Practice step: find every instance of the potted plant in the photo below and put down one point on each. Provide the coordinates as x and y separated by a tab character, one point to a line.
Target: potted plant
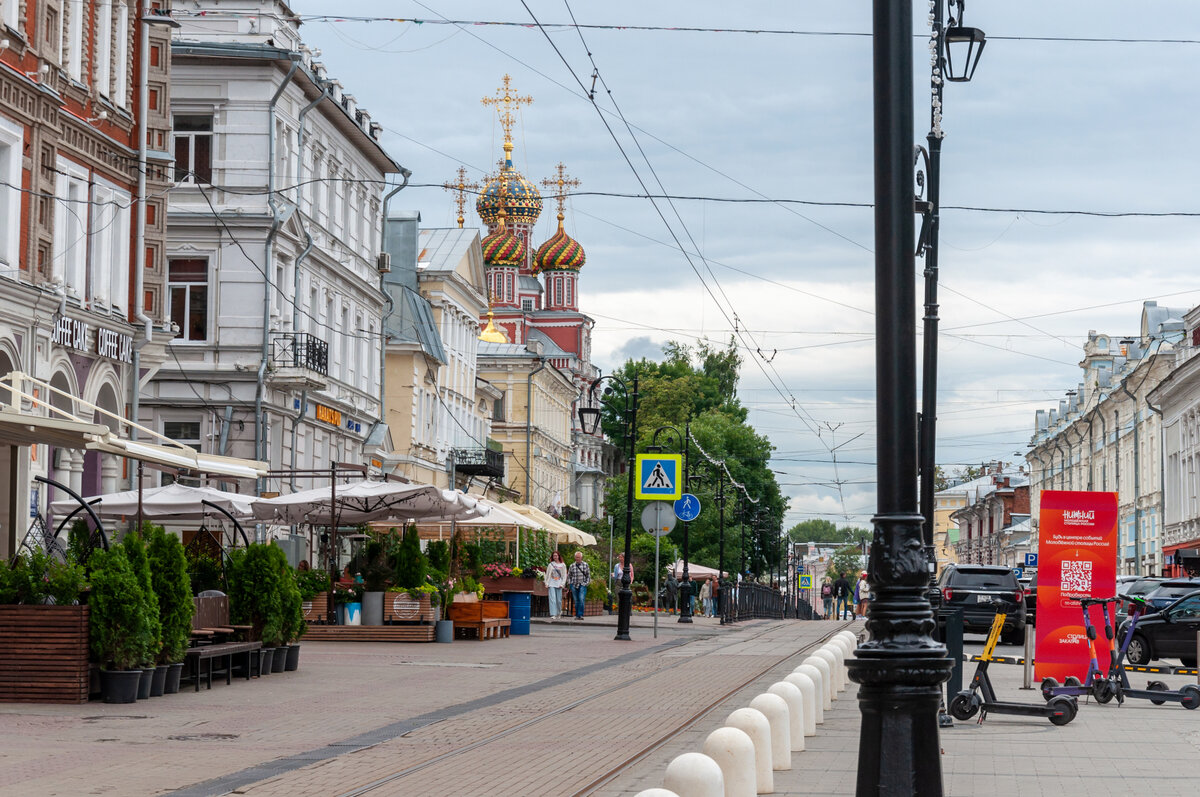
348	599
254	596
294	625
120	628
171	584
377	574
408	563
444	596
314	593
134	545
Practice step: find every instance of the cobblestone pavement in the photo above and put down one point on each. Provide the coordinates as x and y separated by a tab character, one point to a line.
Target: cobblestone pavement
1138	748
516	716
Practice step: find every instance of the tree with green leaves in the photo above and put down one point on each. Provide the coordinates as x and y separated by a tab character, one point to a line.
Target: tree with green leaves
846	561
408	562
171	585
134	545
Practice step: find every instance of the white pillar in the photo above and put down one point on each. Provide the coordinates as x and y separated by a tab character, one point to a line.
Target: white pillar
795	700
849	636
110	471
758	728
826	680
694	775
733	750
775	709
812	704
656	793
835	666
74	470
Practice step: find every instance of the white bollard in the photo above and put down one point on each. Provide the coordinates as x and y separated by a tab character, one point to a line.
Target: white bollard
849	636
818	681
656	793
733	751
808	689
847	650
795	700
695	775
758	728
775	709
826	680
835	669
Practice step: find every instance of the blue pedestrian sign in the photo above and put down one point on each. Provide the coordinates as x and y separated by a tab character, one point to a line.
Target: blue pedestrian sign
657	477
687	508
805	581
1031	560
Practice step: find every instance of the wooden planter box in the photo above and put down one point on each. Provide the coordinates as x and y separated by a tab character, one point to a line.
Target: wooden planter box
401	607
590	608
494	586
43	654
316	611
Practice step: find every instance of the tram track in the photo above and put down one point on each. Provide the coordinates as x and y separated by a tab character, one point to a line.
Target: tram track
387	784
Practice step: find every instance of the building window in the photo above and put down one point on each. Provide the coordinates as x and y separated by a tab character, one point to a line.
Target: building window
187	286
11	137
71	227
498	409
527	305
193	149
109	246
558	291
72	48
187	433
9	10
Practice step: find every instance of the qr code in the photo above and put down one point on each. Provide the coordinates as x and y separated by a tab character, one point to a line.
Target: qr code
1077	577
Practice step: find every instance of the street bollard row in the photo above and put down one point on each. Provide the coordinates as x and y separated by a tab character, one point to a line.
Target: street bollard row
740	759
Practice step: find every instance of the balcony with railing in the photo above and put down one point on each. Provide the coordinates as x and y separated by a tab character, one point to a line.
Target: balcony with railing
299	357
479	462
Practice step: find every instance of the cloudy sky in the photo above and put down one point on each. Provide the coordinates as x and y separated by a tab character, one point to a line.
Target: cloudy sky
1061	116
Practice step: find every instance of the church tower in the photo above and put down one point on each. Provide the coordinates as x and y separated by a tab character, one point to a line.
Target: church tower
559	259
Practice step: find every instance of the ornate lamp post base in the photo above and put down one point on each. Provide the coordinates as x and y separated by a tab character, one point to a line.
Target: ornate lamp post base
625	610
685	594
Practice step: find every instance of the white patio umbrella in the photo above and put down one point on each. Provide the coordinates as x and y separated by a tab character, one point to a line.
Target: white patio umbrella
365	501
174	501
694	570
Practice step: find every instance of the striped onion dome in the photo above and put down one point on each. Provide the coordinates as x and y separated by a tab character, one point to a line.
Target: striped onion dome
502	248
511	192
561	252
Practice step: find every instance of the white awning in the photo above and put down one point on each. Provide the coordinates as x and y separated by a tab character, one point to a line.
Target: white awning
181	457
23	429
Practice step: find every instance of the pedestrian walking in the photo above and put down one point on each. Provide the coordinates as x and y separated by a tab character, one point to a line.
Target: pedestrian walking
578	576
842	596
672	589
555	578
714	605
861	591
827	598
706	597
619	570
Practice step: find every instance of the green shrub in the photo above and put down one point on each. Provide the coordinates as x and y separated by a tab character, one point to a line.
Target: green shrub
204	572
438	554
79	542
255	591
377	573
311	583
172	587
293	625
597	590
408	561
119	626
135	551
14	579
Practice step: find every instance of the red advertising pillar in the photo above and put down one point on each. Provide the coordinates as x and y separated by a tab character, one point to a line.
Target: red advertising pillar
1077	558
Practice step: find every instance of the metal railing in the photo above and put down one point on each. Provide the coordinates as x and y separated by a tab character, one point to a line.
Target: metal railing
479	462
300	350
748	601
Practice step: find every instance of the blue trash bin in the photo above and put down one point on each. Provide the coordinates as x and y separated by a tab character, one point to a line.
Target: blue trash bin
518	611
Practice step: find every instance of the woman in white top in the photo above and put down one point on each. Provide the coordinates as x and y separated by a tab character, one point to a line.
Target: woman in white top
706	598
555	577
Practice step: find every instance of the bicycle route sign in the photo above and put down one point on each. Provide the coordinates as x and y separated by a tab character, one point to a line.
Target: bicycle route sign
687	508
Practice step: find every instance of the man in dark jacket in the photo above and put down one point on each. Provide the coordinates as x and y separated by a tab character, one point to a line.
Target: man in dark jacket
842	597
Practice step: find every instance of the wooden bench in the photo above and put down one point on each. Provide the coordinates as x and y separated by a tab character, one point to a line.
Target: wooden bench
316	611
213	640
483	619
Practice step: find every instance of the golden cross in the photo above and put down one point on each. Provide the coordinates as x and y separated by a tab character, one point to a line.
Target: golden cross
460	190
510	101
560	182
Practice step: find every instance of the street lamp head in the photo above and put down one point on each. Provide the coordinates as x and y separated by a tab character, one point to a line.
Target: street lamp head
589	419
963	48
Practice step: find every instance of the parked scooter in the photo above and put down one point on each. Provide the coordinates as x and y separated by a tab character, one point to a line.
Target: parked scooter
981	696
1096	683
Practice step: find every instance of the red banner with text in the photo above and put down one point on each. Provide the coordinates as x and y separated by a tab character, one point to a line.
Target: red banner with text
1077	558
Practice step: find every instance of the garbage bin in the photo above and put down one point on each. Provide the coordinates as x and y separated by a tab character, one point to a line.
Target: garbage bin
518	611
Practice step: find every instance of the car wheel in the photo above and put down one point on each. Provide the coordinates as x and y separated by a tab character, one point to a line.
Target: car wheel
1157	686
1139	651
1063	710
1191	696
964	705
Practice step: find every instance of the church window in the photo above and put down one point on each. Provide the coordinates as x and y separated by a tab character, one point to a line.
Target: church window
558	291
570	291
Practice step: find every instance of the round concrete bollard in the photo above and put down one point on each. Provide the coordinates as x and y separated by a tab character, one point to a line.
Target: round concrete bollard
836	668
846	646
795	700
826	680
695	775
733	751
758	728
775	709
808	689
849	636
814	675
656	793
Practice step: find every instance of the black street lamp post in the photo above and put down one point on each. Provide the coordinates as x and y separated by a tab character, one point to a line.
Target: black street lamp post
685	586
900	667
589	422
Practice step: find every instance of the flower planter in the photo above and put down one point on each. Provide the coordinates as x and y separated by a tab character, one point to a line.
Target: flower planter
44	654
174	672
158	681
316	611
120	686
372	608
353	613
403	607
495	586
293	658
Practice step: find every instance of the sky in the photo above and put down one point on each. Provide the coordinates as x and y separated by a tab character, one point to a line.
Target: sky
1051	122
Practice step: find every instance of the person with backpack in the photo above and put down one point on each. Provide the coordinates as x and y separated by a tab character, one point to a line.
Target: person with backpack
827	599
843	597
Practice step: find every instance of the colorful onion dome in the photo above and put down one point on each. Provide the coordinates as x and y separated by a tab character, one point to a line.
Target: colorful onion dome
561	252
510	191
502	248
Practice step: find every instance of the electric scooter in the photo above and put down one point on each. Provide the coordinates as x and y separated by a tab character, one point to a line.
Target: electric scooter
1156	691
982	696
1095	683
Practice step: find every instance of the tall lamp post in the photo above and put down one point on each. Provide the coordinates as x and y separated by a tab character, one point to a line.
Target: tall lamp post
685	587
901	667
589	422
954	55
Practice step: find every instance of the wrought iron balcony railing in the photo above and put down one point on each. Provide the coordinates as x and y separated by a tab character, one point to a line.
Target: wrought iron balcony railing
301	350
479	462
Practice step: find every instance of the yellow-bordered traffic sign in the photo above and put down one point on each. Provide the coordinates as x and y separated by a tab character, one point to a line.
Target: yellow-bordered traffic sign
657	477
805	582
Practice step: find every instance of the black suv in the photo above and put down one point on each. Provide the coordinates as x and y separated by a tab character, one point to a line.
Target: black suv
979	591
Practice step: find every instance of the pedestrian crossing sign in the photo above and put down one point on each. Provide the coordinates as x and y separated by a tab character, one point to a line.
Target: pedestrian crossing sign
805	581
658	477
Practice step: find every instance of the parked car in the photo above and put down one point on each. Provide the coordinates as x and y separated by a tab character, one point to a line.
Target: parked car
1029	587
1168	633
1169	591
1134	586
979	591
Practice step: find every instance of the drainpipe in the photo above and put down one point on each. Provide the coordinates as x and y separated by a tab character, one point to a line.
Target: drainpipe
387	297
1061	458
260	426
1137	458
139	254
1117	470
1162	471
529	429
295	426
1103	446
